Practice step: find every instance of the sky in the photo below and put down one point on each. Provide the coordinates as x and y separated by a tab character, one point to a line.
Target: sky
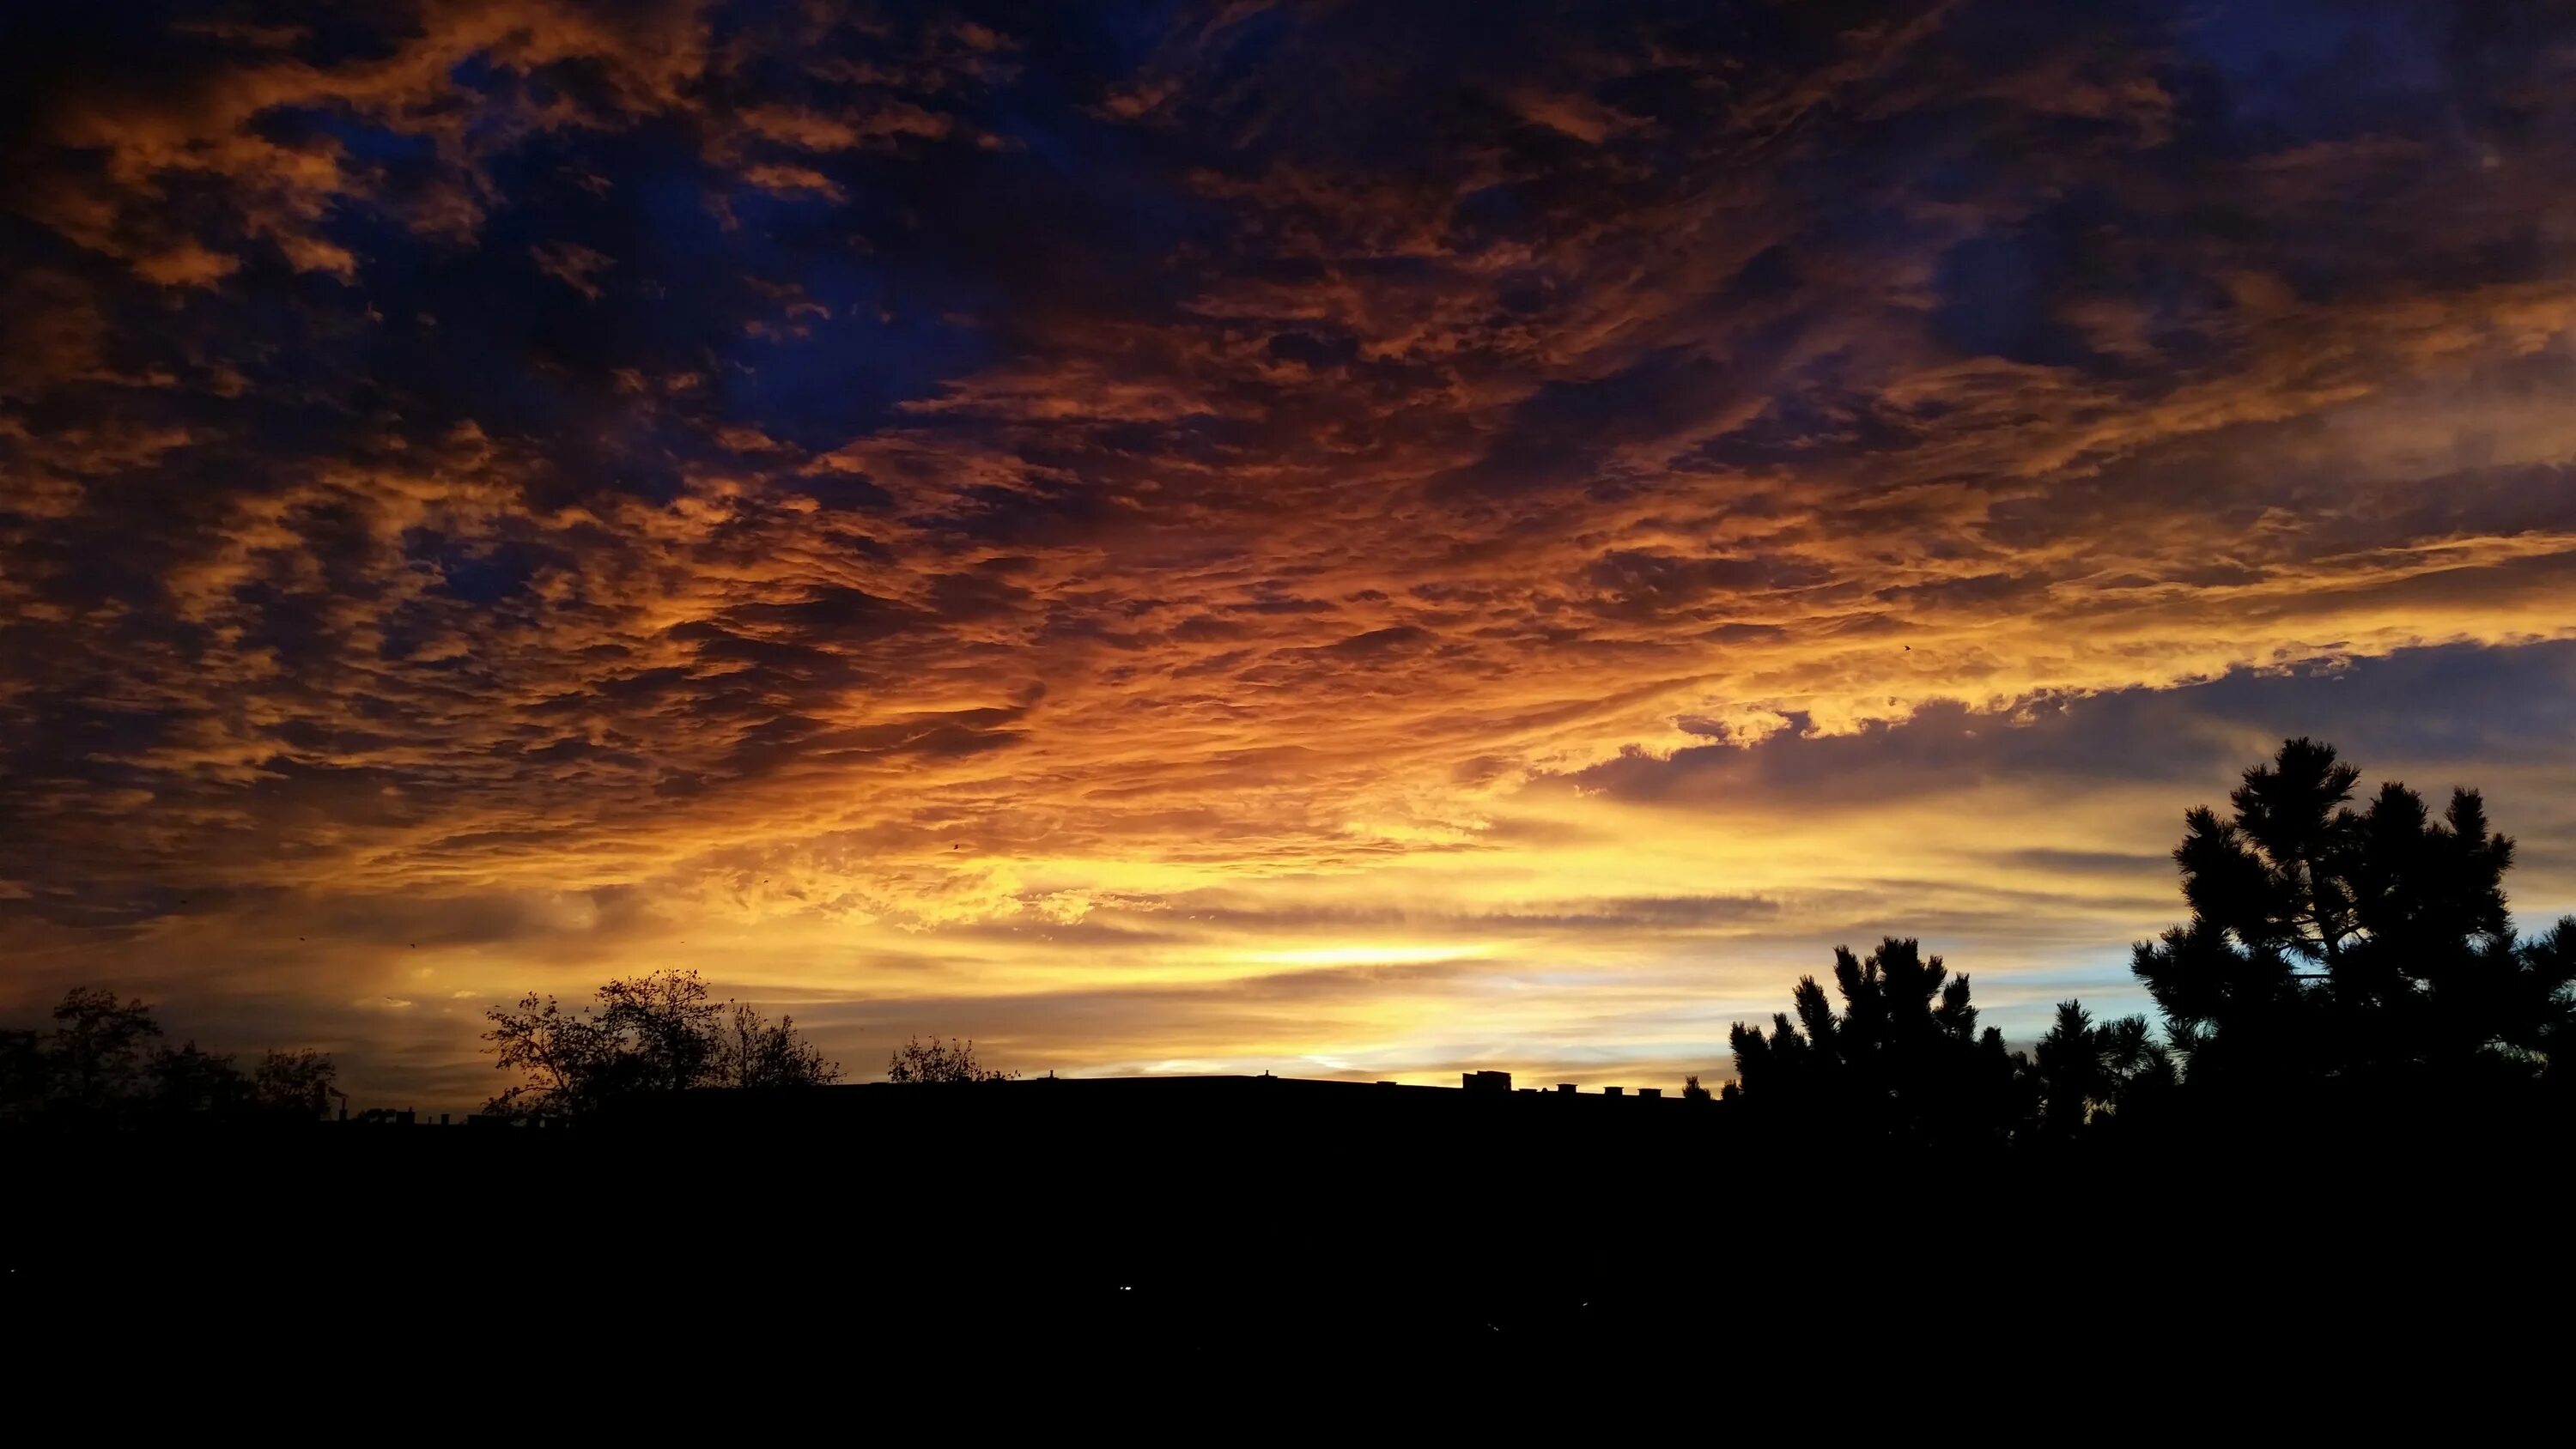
1349	540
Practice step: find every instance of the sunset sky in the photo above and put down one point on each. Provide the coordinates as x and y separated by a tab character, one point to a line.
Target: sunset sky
1354	539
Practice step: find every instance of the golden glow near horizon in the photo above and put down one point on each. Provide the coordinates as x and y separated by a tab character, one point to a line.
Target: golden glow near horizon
1183	560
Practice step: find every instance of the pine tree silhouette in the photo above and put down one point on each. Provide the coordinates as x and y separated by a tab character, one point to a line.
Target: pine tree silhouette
1902	1063
2368	948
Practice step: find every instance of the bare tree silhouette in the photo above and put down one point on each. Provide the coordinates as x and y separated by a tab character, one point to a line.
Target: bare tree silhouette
936	1061
753	1052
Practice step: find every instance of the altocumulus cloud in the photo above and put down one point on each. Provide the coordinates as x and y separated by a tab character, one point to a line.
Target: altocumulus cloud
1023	518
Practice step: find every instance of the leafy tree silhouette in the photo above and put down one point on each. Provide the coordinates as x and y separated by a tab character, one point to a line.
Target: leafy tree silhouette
95	1055
936	1061
2363	946
1903	1062
191	1083
662	1030
295	1084
23	1078
98	1066
659	1032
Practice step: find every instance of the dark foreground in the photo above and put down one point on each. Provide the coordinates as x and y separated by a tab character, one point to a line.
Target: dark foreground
1175	1244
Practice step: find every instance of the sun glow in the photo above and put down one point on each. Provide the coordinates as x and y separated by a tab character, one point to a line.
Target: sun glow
1369	954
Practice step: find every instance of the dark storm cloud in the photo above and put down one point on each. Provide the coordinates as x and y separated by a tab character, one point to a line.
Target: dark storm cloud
2506	705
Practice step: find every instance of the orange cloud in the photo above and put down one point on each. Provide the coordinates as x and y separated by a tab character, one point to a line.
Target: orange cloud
1209	557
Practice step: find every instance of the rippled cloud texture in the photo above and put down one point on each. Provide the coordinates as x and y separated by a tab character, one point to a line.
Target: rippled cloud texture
1351	539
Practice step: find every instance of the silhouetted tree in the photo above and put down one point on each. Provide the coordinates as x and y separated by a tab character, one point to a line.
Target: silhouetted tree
98	1065
563	1054
296	1084
662	1029
936	1061
95	1057
2087	1073
22	1074
2357	945
2548	959
654	1033
752	1052
1903	1062
191	1083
